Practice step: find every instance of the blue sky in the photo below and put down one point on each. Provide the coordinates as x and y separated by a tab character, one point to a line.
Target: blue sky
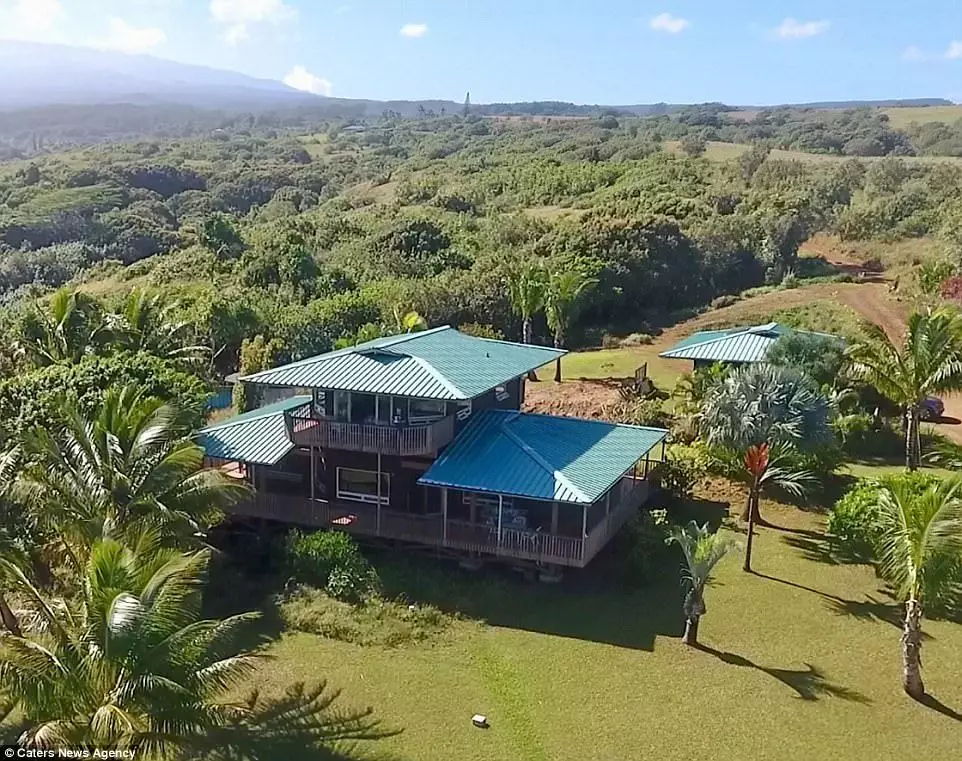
587	51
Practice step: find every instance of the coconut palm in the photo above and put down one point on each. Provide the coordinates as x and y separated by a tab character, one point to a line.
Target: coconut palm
129	664
921	556
757	417
561	300
129	466
702	550
927	362
527	286
147	321
62	329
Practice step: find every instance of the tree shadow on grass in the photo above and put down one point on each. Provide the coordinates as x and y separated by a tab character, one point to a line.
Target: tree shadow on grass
579	607
930	701
809	683
821	548
870	609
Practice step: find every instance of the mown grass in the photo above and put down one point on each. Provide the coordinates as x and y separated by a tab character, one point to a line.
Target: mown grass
616	363
902	117
799	660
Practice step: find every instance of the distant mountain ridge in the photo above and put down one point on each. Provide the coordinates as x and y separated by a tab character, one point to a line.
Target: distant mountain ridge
34	75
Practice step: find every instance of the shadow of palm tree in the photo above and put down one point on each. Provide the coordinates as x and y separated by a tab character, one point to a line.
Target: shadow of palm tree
929	701
809	683
869	609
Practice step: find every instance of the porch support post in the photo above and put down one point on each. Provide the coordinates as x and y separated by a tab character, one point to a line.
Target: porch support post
444	514
378	526
313	474
554	517
584	531
500	507
608	512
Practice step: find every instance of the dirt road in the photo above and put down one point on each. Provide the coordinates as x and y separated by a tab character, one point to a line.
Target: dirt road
871	299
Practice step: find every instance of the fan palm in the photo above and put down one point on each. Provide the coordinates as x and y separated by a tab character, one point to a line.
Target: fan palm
562	294
758	416
129	466
147	321
927	362
702	550
62	329
130	665
921	556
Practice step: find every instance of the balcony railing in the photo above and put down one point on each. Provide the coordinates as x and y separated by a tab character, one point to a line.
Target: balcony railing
433	531
413	440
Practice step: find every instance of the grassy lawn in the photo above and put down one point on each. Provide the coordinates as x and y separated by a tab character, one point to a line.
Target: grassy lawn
800	660
619	363
902	117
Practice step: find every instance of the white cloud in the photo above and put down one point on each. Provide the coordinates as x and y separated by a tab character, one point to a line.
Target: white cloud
914	54
37	15
237	16
30	19
414	30
301	79
793	29
131	39
954	51
665	22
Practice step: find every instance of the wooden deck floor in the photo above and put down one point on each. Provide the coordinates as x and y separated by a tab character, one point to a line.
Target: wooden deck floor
433	531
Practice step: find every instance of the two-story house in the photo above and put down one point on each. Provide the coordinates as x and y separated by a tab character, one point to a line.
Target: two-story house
420	438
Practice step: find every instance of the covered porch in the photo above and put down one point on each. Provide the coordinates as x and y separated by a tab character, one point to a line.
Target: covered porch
468	522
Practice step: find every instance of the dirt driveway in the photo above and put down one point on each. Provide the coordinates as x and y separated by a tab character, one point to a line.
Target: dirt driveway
871	299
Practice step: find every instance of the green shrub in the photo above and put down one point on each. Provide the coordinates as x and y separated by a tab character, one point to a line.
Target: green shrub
637	339
683	468
724	301
854	518
330	560
639	552
376	621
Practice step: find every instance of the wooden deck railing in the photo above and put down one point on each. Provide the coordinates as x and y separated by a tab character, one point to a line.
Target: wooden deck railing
431	530
412	440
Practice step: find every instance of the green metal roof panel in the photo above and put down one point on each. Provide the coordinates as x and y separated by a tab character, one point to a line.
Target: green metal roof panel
739	345
541	456
434	364
258	437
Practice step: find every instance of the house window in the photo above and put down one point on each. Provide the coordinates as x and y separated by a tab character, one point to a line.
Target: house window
361	485
320	402
501	393
464	410
424	410
342	405
384	410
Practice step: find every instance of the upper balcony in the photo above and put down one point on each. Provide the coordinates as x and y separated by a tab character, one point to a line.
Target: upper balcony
416	440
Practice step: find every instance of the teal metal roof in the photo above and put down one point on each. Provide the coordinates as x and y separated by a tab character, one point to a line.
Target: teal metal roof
541	456
258	437
738	345
434	364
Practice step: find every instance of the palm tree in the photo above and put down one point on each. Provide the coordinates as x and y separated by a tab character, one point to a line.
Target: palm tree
702	550
526	289
63	329
527	285
561	299
129	466
928	361
129	664
921	556
758	416
147	321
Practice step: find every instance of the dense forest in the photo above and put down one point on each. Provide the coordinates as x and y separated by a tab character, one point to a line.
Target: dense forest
309	239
